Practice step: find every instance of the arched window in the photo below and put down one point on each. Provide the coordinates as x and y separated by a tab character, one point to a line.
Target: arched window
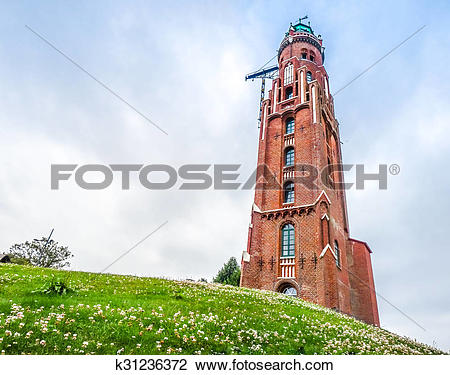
289	192
289	291
308	76
289	157
290	125
287	241
338	254
325	229
288	74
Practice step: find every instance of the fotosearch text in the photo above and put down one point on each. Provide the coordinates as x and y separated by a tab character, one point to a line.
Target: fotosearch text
217	176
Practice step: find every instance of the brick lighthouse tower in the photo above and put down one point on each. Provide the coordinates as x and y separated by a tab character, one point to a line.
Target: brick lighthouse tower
299	242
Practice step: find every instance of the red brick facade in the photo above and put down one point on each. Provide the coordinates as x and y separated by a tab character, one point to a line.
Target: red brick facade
342	279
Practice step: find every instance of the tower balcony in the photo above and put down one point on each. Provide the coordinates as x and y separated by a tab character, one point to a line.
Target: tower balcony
287	268
289	139
288	173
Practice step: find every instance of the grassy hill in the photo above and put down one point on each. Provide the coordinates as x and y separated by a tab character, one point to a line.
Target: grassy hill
110	314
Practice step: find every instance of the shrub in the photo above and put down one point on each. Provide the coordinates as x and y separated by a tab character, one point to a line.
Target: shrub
19	260
55	287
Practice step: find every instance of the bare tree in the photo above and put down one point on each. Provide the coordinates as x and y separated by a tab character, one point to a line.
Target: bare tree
42	253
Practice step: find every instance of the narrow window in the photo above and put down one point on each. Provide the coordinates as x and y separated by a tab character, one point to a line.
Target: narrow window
338	254
324	232
289	157
288	74
308	76
289	192
329	178
289	93
287	241
290	125
311	57
304	55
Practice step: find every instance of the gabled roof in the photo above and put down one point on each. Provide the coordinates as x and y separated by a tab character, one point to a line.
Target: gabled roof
327	247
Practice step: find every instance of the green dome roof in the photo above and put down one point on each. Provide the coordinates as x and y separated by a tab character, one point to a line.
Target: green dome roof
301	27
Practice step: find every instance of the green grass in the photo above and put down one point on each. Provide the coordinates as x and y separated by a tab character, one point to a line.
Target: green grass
110	314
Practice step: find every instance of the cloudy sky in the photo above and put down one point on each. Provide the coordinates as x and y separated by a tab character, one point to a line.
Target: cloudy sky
182	64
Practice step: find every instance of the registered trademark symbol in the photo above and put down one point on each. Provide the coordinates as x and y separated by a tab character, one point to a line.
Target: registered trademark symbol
394	169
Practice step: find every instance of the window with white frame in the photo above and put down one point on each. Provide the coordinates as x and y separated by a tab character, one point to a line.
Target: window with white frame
290	126
289	157
287	241
288	74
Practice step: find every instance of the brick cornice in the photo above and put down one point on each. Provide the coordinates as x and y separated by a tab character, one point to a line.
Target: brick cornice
297	108
292	210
